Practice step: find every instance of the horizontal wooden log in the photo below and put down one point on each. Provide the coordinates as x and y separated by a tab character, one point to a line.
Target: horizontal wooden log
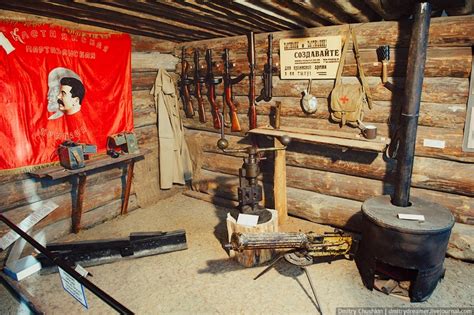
143	80
444	31
30	190
461	242
143	100
442	90
451	116
440	62
346	186
431	114
58	229
450	138
441	175
346	214
147	136
152	61
147	44
323	209
94	196
144	118
435	90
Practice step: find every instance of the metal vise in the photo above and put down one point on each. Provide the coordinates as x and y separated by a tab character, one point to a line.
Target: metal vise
72	155
126	142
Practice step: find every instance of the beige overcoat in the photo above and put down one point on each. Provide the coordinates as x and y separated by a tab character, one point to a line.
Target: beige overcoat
175	161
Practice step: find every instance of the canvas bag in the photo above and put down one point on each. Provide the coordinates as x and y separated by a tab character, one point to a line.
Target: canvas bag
347	101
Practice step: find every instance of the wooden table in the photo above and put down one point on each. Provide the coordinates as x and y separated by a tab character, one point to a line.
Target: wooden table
58	172
333	138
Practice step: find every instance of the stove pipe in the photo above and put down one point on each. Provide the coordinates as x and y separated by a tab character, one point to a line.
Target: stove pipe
411	107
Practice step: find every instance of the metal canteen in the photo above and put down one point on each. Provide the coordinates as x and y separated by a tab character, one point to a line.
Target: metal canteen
309	103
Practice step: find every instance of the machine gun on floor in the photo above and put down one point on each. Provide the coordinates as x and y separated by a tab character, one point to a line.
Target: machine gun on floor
303	248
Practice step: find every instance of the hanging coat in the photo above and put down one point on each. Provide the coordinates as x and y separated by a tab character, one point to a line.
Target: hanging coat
175	161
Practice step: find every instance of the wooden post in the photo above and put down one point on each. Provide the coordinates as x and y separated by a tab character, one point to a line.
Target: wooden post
279	173
77	211
128	186
279	182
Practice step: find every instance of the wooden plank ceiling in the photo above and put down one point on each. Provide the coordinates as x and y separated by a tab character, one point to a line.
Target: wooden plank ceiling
181	21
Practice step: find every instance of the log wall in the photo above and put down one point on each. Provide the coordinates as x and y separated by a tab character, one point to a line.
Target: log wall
104	190
328	184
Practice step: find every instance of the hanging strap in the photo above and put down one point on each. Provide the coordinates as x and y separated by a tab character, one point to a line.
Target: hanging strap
365	86
342	60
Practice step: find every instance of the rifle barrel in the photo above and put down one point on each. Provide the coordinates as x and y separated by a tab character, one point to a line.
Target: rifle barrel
197	88
252	110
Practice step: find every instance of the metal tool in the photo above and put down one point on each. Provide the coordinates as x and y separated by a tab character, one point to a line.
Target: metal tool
250	192
384	55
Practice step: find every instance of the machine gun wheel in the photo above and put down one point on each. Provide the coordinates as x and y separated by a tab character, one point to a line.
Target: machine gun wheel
299	258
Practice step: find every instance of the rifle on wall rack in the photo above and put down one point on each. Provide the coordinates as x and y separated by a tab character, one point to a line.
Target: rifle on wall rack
211	83
251	57
266	92
228	97
198	80
184	86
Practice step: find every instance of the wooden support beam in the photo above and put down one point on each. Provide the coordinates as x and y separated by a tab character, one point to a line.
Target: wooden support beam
358	10
325	10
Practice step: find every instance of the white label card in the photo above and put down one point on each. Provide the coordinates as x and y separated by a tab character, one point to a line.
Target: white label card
247	219
73	287
28	223
412	217
440	144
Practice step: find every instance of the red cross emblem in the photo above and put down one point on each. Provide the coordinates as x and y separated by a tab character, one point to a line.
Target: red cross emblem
344	99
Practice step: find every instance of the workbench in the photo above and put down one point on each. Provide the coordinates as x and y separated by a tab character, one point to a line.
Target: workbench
58	172
345	140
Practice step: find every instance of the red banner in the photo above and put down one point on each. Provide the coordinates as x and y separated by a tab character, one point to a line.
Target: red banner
60	84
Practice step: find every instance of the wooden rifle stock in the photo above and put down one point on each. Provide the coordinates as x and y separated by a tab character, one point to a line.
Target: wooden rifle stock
234	119
228	82
211	90
197	88
252	110
185	95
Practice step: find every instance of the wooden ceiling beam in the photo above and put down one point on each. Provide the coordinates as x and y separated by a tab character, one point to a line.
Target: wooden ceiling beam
285	22
272	22
242	25
216	19
258	24
88	10
169	15
47	12
322	9
377	7
358	10
284	8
